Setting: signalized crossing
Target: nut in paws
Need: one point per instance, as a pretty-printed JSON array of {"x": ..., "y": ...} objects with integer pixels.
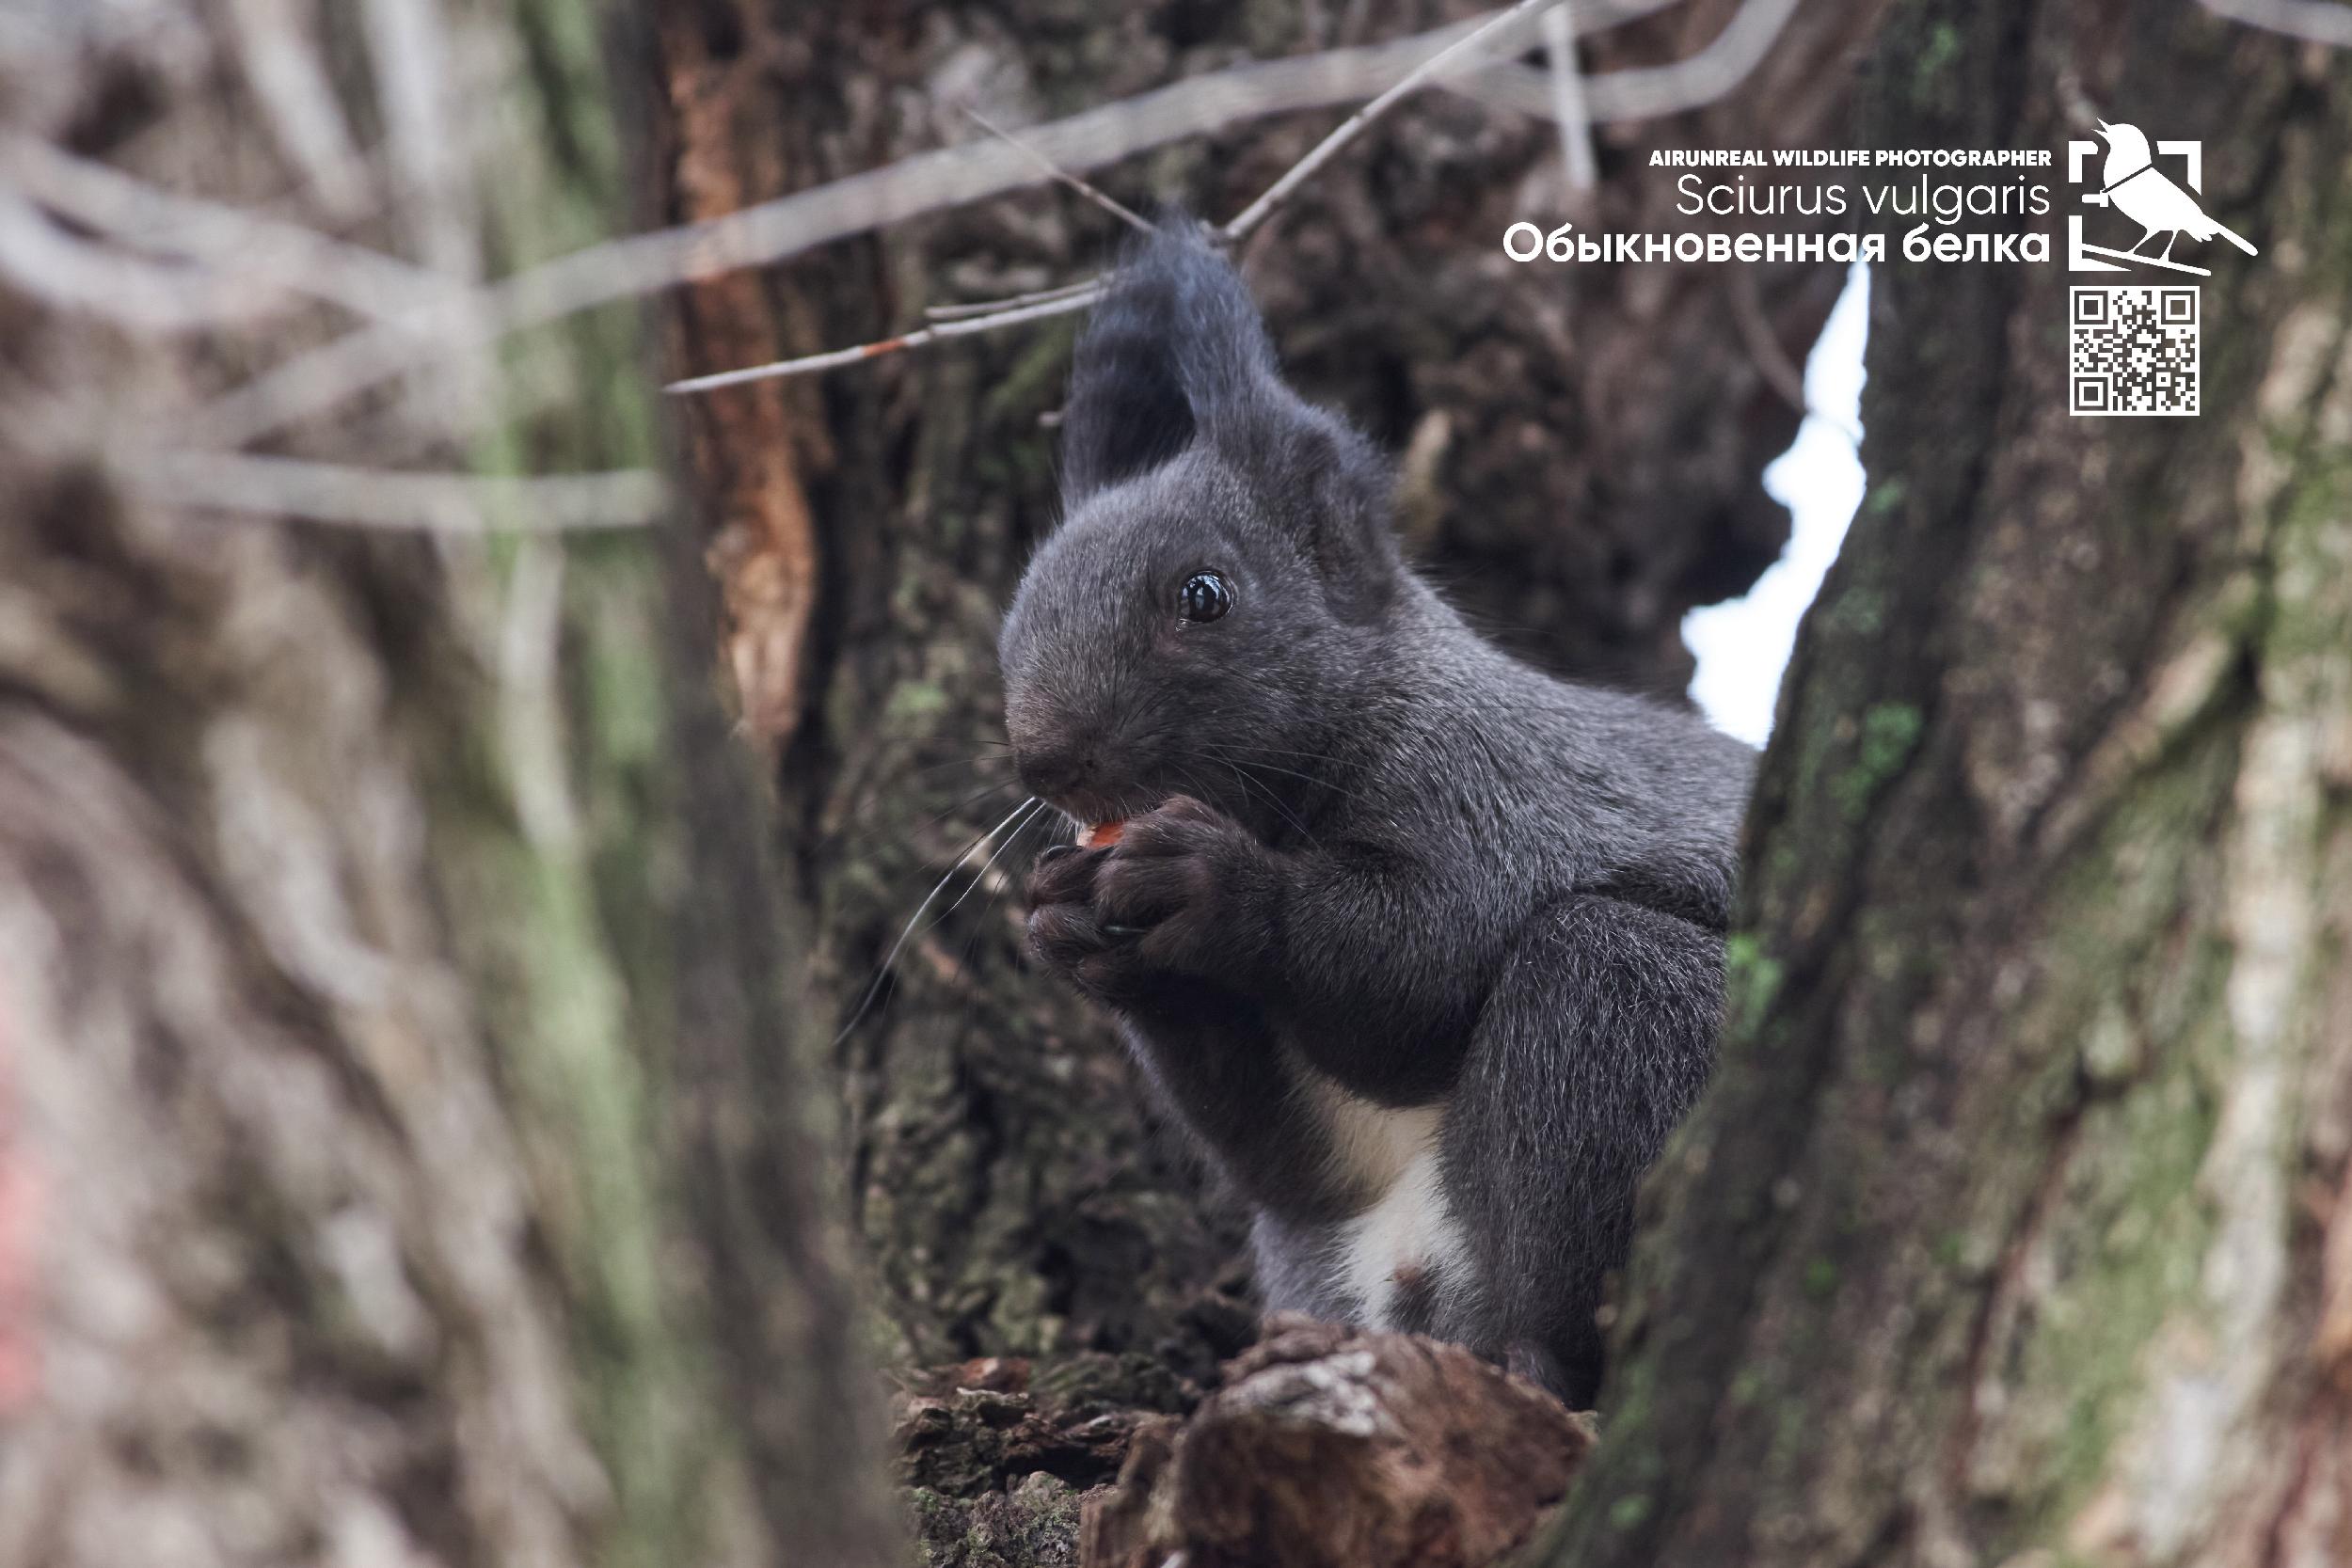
[{"x": 1183, "y": 893}]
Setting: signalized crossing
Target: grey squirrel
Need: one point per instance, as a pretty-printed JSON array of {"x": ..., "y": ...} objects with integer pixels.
[{"x": 1424, "y": 945}]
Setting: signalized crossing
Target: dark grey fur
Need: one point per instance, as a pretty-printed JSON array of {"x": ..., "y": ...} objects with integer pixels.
[{"x": 1363, "y": 844}]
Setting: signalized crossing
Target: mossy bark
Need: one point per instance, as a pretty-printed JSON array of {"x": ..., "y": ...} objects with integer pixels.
[
  {"x": 2013, "y": 1228},
  {"x": 409, "y": 1152}
]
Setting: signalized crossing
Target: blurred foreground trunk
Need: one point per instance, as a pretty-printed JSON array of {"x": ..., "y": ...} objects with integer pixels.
[
  {"x": 2015, "y": 1228},
  {"x": 404, "y": 1157}
]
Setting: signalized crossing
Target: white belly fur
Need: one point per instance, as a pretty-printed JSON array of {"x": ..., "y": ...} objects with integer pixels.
[{"x": 1390, "y": 1157}]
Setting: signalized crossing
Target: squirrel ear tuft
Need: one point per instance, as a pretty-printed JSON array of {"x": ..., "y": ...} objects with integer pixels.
[
  {"x": 1176, "y": 353},
  {"x": 1174, "y": 350}
]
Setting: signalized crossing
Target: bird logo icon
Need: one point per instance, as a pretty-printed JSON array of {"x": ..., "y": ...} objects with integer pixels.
[{"x": 2130, "y": 183}]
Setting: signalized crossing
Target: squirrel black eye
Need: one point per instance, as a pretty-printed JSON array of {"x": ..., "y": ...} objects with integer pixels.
[{"x": 1203, "y": 597}]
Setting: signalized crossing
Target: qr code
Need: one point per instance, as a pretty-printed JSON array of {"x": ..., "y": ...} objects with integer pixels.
[{"x": 2132, "y": 350}]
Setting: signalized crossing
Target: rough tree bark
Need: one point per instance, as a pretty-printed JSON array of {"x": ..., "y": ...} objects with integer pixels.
[
  {"x": 2015, "y": 1227},
  {"x": 405, "y": 1151},
  {"x": 1582, "y": 452}
]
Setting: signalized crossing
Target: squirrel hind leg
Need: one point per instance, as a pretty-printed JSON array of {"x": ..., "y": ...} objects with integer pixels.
[{"x": 1595, "y": 1041}]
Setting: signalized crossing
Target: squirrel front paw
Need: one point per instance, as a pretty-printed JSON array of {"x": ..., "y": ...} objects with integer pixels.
[
  {"x": 1065, "y": 934},
  {"x": 1186, "y": 890}
]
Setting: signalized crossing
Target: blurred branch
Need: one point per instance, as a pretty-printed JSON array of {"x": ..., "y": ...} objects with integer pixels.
[
  {"x": 289, "y": 82},
  {"x": 316, "y": 381},
  {"x": 1053, "y": 169},
  {"x": 530, "y": 647},
  {"x": 768, "y": 231},
  {"x": 1568, "y": 98},
  {"x": 278, "y": 254},
  {"x": 2312, "y": 21},
  {"x": 409, "y": 49},
  {"x": 1651, "y": 92},
  {"x": 376, "y": 497},
  {"x": 432, "y": 192},
  {"x": 131, "y": 292}
]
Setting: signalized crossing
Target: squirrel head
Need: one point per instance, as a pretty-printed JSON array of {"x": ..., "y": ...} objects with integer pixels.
[{"x": 1224, "y": 578}]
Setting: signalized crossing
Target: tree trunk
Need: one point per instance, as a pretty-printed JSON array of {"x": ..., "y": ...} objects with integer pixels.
[
  {"x": 406, "y": 1149},
  {"x": 1580, "y": 458},
  {"x": 2014, "y": 1228}
]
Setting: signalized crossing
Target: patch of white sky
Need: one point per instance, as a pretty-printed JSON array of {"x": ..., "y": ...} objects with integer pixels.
[{"x": 1742, "y": 645}]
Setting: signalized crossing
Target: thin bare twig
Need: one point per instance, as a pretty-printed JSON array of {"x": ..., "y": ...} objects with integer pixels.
[
  {"x": 1248, "y": 218},
  {"x": 1062, "y": 306},
  {"x": 1058, "y": 172},
  {"x": 990, "y": 306},
  {"x": 377, "y": 498},
  {"x": 2312, "y": 21}
]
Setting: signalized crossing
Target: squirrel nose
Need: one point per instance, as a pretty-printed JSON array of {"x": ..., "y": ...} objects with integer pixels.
[{"x": 1055, "y": 771}]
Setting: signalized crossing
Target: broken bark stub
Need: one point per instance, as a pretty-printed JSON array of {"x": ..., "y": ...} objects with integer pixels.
[
  {"x": 978, "y": 1428},
  {"x": 1331, "y": 1448}
]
